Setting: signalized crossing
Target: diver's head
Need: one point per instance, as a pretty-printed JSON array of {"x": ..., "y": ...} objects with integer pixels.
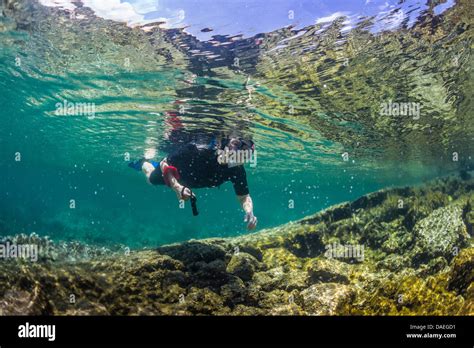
[
  {"x": 240, "y": 144},
  {"x": 235, "y": 151}
]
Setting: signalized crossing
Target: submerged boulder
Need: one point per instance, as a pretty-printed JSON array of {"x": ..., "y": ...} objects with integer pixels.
[
  {"x": 442, "y": 233},
  {"x": 194, "y": 251},
  {"x": 202, "y": 301},
  {"x": 462, "y": 272},
  {"x": 242, "y": 265},
  {"x": 16, "y": 302},
  {"x": 281, "y": 278},
  {"x": 328, "y": 271},
  {"x": 326, "y": 298}
]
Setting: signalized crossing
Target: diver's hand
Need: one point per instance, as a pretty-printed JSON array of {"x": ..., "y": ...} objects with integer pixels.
[
  {"x": 186, "y": 193},
  {"x": 251, "y": 220}
]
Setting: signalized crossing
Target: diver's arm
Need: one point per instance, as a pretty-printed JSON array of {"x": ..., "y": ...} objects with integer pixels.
[
  {"x": 174, "y": 183},
  {"x": 247, "y": 206}
]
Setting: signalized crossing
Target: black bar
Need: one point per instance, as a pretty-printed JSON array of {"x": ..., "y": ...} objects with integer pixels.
[{"x": 242, "y": 330}]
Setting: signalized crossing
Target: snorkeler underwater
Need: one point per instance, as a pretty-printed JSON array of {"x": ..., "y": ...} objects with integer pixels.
[{"x": 311, "y": 160}]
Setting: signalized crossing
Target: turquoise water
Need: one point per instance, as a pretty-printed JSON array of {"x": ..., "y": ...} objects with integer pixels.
[{"x": 312, "y": 107}]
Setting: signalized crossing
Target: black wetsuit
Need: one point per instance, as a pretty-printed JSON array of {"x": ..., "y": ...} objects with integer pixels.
[{"x": 198, "y": 167}]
